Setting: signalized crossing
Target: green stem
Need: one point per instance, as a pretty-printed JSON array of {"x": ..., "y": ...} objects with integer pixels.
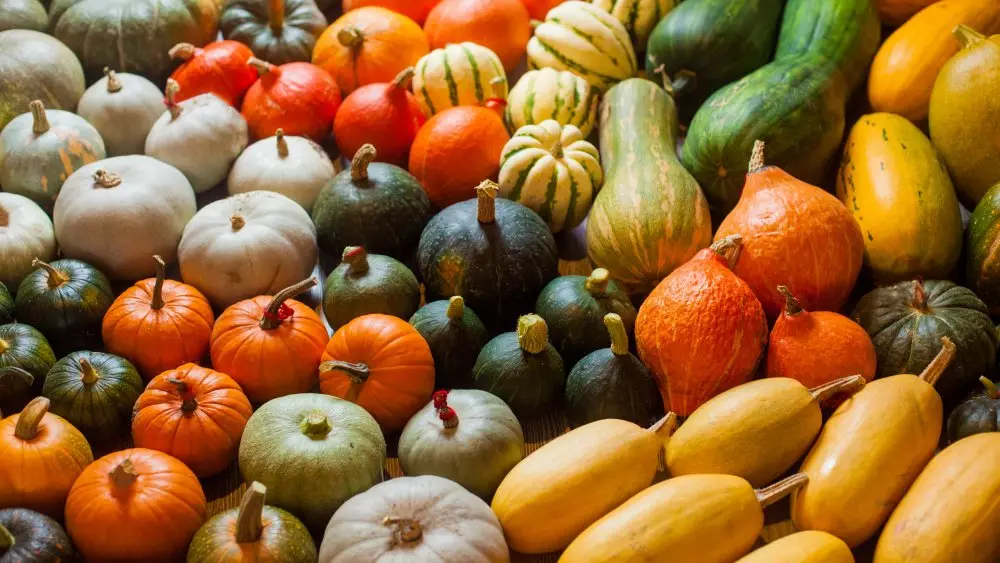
[
  {"x": 618, "y": 334},
  {"x": 350, "y": 37},
  {"x": 316, "y": 425},
  {"x": 532, "y": 334},
  {"x": 989, "y": 386},
  {"x": 7, "y": 540},
  {"x": 967, "y": 36},
  {"x": 404, "y": 78},
  {"x": 250, "y": 521},
  {"x": 271, "y": 319},
  {"x": 597, "y": 283},
  {"x": 56, "y": 278}
]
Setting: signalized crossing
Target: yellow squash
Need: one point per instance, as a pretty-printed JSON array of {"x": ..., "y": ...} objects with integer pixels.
[
  {"x": 567, "y": 484},
  {"x": 803, "y": 547},
  {"x": 869, "y": 453},
  {"x": 687, "y": 519},
  {"x": 755, "y": 431},
  {"x": 952, "y": 511}
]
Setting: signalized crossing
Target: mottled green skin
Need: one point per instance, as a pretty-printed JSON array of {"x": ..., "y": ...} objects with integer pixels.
[
  {"x": 978, "y": 414},
  {"x": 603, "y": 385},
  {"x": 388, "y": 287},
  {"x": 101, "y": 411},
  {"x": 247, "y": 21},
  {"x": 23, "y": 14},
  {"x": 283, "y": 536},
  {"x": 982, "y": 241},
  {"x": 530, "y": 384},
  {"x": 37, "y": 538},
  {"x": 455, "y": 343},
  {"x": 36, "y": 66},
  {"x": 6, "y": 305},
  {"x": 25, "y": 348},
  {"x": 906, "y": 339}
]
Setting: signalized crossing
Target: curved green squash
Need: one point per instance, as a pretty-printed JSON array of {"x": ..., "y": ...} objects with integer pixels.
[
  {"x": 23, "y": 14},
  {"x": 365, "y": 284},
  {"x": 982, "y": 265},
  {"x": 6, "y": 305},
  {"x": 25, "y": 358},
  {"x": 978, "y": 414},
  {"x": 36, "y": 66},
  {"x": 455, "y": 335},
  {"x": 650, "y": 216}
]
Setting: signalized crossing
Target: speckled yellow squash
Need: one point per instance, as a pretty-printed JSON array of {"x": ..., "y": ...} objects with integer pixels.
[
  {"x": 803, "y": 547},
  {"x": 638, "y": 16},
  {"x": 548, "y": 93},
  {"x": 460, "y": 74}
]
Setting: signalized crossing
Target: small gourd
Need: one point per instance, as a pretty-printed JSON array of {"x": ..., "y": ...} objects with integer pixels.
[
  {"x": 280, "y": 31},
  {"x": 27, "y": 536},
  {"x": 295, "y": 167},
  {"x": 456, "y": 335},
  {"x": 26, "y": 234},
  {"x": 123, "y": 108},
  {"x": 25, "y": 359},
  {"x": 638, "y": 16},
  {"x": 547, "y": 93},
  {"x": 369, "y": 283},
  {"x": 454, "y": 75},
  {"x": 978, "y": 414}
]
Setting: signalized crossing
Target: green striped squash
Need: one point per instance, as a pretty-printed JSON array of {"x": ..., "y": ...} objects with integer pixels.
[
  {"x": 551, "y": 170},
  {"x": 459, "y": 74},
  {"x": 638, "y": 16},
  {"x": 583, "y": 38},
  {"x": 548, "y": 93}
]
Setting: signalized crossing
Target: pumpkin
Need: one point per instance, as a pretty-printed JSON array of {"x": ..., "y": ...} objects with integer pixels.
[
  {"x": 95, "y": 392},
  {"x": 36, "y": 66},
  {"x": 547, "y": 93},
  {"x": 364, "y": 284},
  {"x": 288, "y": 339},
  {"x": 43, "y": 455},
  {"x": 817, "y": 347},
  {"x": 638, "y": 17},
  {"x": 906, "y": 322},
  {"x": 40, "y": 149},
  {"x": 572, "y": 481},
  {"x": 896, "y": 12},
  {"x": 294, "y": 167},
  {"x": 122, "y": 108},
  {"x": 27, "y": 536},
  {"x": 312, "y": 452},
  {"x": 981, "y": 236},
  {"x": 25, "y": 359},
  {"x": 66, "y": 300},
  {"x": 280, "y": 31},
  {"x": 385, "y": 115},
  {"x": 118, "y": 212},
  {"x": 264, "y": 533},
  {"x": 26, "y": 234},
  {"x": 416, "y": 10},
  {"x": 23, "y": 14},
  {"x": 975, "y": 415},
  {"x": 701, "y": 331},
  {"x": 455, "y": 334},
  {"x": 458, "y": 74},
  {"x": 812, "y": 546},
  {"x": 298, "y": 98},
  {"x": 381, "y": 363},
  {"x": 503, "y": 26},
  {"x": 247, "y": 245},
  {"x": 466, "y": 435},
  {"x": 121, "y": 499},
  {"x": 414, "y": 519},
  {"x": 218, "y": 68},
  {"x": 6, "y": 305},
  {"x": 376, "y": 205}
]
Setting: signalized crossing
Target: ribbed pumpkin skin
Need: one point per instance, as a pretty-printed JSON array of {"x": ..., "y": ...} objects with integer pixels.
[
  {"x": 981, "y": 235},
  {"x": 249, "y": 22},
  {"x": 548, "y": 93},
  {"x": 811, "y": 546},
  {"x": 36, "y": 66},
  {"x": 454, "y": 343},
  {"x": 283, "y": 539},
  {"x": 638, "y": 16},
  {"x": 37, "y": 538},
  {"x": 458, "y": 74},
  {"x": 26, "y": 348},
  {"x": 219, "y": 68}
]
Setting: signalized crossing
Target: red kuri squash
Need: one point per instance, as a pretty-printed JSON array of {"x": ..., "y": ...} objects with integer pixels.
[
  {"x": 218, "y": 68},
  {"x": 503, "y": 26},
  {"x": 416, "y": 10},
  {"x": 299, "y": 98}
]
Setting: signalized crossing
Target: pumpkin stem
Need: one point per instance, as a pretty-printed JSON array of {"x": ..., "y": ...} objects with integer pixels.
[
  {"x": 729, "y": 248},
  {"x": 919, "y": 295},
  {"x": 990, "y": 387},
  {"x": 407, "y": 530},
  {"x": 967, "y": 36},
  {"x": 114, "y": 83},
  {"x": 356, "y": 258},
  {"x": 534, "y": 24},
  {"x": 4, "y": 217},
  {"x": 359, "y": 164},
  {"x": 792, "y": 306},
  {"x": 161, "y": 276},
  {"x": 237, "y": 222},
  {"x": 350, "y": 36},
  {"x": 56, "y": 278},
  {"x": 756, "y": 157},
  {"x": 456, "y": 308},
  {"x": 90, "y": 375},
  {"x": 123, "y": 475},
  {"x": 171, "y": 100},
  {"x": 279, "y": 137},
  {"x": 665, "y": 427},
  {"x": 262, "y": 67},
  {"x": 250, "y": 521},
  {"x": 40, "y": 121},
  {"x": 272, "y": 315},
  {"x": 316, "y": 425},
  {"x": 276, "y": 15},
  {"x": 107, "y": 179},
  {"x": 557, "y": 151},
  {"x": 772, "y": 494},
  {"x": 618, "y": 334},
  {"x": 846, "y": 385},
  {"x": 597, "y": 282},
  {"x": 498, "y": 86},
  {"x": 3, "y": 345},
  {"x": 532, "y": 334},
  {"x": 404, "y": 78},
  {"x": 447, "y": 414},
  {"x": 357, "y": 372},
  {"x": 182, "y": 51},
  {"x": 7, "y": 540},
  {"x": 940, "y": 363},
  {"x": 29, "y": 419},
  {"x": 486, "y": 194},
  {"x": 188, "y": 402}
]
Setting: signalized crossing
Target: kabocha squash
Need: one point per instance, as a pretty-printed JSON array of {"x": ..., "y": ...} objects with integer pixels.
[
  {"x": 642, "y": 177},
  {"x": 457, "y": 74},
  {"x": 298, "y": 98},
  {"x": 122, "y": 108},
  {"x": 897, "y": 12},
  {"x": 466, "y": 435},
  {"x": 977, "y": 414},
  {"x": 502, "y": 26},
  {"x": 414, "y": 519},
  {"x": 898, "y": 190},
  {"x": 455, "y": 334},
  {"x": 382, "y": 364},
  {"x": 548, "y": 93},
  {"x": 312, "y": 452},
  {"x": 23, "y": 14},
  {"x": 981, "y": 236},
  {"x": 26, "y": 234},
  {"x": 859, "y": 468},
  {"x": 31, "y": 537},
  {"x": 6, "y": 305},
  {"x": 811, "y": 546},
  {"x": 638, "y": 16},
  {"x": 279, "y": 31},
  {"x": 271, "y": 346},
  {"x": 25, "y": 359},
  {"x": 369, "y": 283},
  {"x": 522, "y": 368},
  {"x": 572, "y": 481},
  {"x": 135, "y": 504},
  {"x": 416, "y": 10},
  {"x": 218, "y": 68},
  {"x": 36, "y": 66},
  {"x": 294, "y": 167}
]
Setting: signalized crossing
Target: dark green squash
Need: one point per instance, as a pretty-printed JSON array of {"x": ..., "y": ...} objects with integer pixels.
[
  {"x": 25, "y": 358},
  {"x": 6, "y": 305},
  {"x": 364, "y": 284},
  {"x": 522, "y": 368},
  {"x": 27, "y": 536},
  {"x": 456, "y": 335},
  {"x": 95, "y": 392},
  {"x": 277, "y": 31},
  {"x": 612, "y": 383},
  {"x": 978, "y": 414},
  {"x": 574, "y": 308},
  {"x": 981, "y": 236},
  {"x": 36, "y": 66},
  {"x": 66, "y": 300},
  {"x": 496, "y": 254},
  {"x": 23, "y": 14},
  {"x": 907, "y": 320}
]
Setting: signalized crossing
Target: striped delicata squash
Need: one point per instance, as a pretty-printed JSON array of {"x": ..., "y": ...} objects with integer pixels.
[
  {"x": 459, "y": 74},
  {"x": 638, "y": 16},
  {"x": 548, "y": 93}
]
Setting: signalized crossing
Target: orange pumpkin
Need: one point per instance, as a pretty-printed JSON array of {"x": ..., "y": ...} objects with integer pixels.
[
  {"x": 369, "y": 45},
  {"x": 382, "y": 364},
  {"x": 41, "y": 455},
  {"x": 503, "y": 26},
  {"x": 794, "y": 234},
  {"x": 218, "y": 68},
  {"x": 271, "y": 346},
  {"x": 158, "y": 324},
  {"x": 538, "y": 9},
  {"x": 135, "y": 505},
  {"x": 301, "y": 99},
  {"x": 702, "y": 330},
  {"x": 416, "y": 10}
]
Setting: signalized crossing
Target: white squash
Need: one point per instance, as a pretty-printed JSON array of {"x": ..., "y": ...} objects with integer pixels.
[
  {"x": 548, "y": 93},
  {"x": 638, "y": 16},
  {"x": 246, "y": 245},
  {"x": 200, "y": 136},
  {"x": 294, "y": 167},
  {"x": 123, "y": 108},
  {"x": 458, "y": 74},
  {"x": 424, "y": 519},
  {"x": 25, "y": 234}
]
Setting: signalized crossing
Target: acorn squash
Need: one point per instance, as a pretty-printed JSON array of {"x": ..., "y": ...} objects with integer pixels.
[
  {"x": 369, "y": 283},
  {"x": 978, "y": 414},
  {"x": 25, "y": 359},
  {"x": 456, "y": 335}
]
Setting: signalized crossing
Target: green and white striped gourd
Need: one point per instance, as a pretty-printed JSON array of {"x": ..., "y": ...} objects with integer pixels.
[
  {"x": 459, "y": 74},
  {"x": 638, "y": 16},
  {"x": 582, "y": 38},
  {"x": 548, "y": 93},
  {"x": 553, "y": 171}
]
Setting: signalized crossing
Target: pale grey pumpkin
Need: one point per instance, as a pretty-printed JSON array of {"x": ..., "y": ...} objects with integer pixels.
[{"x": 123, "y": 108}]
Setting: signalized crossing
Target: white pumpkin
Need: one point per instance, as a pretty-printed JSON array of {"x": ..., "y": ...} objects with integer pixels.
[
  {"x": 548, "y": 93},
  {"x": 294, "y": 167},
  {"x": 116, "y": 213},
  {"x": 247, "y": 245},
  {"x": 123, "y": 108},
  {"x": 200, "y": 136},
  {"x": 424, "y": 519},
  {"x": 25, "y": 234}
]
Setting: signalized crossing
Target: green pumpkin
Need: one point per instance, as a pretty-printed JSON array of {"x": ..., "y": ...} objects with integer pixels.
[
  {"x": 365, "y": 284},
  {"x": 907, "y": 320},
  {"x": 6, "y": 305},
  {"x": 981, "y": 237},
  {"x": 95, "y": 392},
  {"x": 522, "y": 368},
  {"x": 40, "y": 149},
  {"x": 612, "y": 383},
  {"x": 456, "y": 335},
  {"x": 312, "y": 452},
  {"x": 36, "y": 66},
  {"x": 25, "y": 358},
  {"x": 277, "y": 31},
  {"x": 23, "y": 14},
  {"x": 66, "y": 300},
  {"x": 27, "y": 536},
  {"x": 574, "y": 308},
  {"x": 978, "y": 414}
]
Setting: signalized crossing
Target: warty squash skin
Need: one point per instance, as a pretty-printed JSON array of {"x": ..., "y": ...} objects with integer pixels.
[{"x": 803, "y": 547}]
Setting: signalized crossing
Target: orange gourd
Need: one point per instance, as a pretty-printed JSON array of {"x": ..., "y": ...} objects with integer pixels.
[
  {"x": 135, "y": 505},
  {"x": 796, "y": 235},
  {"x": 815, "y": 348},
  {"x": 301, "y": 99},
  {"x": 701, "y": 331},
  {"x": 416, "y": 10},
  {"x": 41, "y": 455},
  {"x": 369, "y": 45},
  {"x": 503, "y": 26},
  {"x": 218, "y": 68},
  {"x": 158, "y": 324},
  {"x": 195, "y": 414},
  {"x": 271, "y": 346},
  {"x": 382, "y": 364}
]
